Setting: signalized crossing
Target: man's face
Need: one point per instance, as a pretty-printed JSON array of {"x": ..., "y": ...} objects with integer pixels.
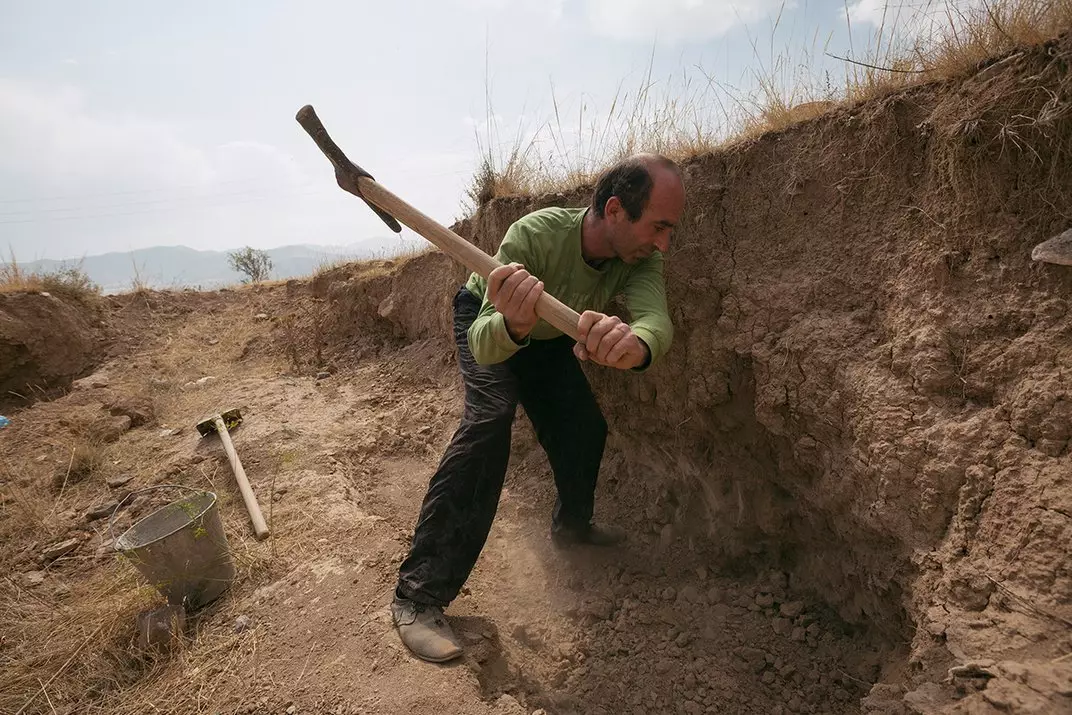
[{"x": 635, "y": 240}]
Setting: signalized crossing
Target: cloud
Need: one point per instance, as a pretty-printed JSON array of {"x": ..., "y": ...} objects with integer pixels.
[
  {"x": 77, "y": 179},
  {"x": 49, "y": 136},
  {"x": 548, "y": 9},
  {"x": 674, "y": 20}
]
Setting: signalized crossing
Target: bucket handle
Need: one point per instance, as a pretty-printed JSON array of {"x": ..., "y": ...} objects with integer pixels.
[{"x": 115, "y": 511}]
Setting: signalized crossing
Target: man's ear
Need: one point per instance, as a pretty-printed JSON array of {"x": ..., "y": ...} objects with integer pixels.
[{"x": 614, "y": 209}]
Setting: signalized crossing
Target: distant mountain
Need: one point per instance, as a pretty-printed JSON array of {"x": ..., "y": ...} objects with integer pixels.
[{"x": 182, "y": 267}]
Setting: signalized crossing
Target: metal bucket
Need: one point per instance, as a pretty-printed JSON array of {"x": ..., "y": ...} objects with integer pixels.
[{"x": 180, "y": 548}]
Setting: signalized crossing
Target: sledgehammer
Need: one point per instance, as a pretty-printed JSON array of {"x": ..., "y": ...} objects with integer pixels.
[
  {"x": 389, "y": 207},
  {"x": 219, "y": 424}
]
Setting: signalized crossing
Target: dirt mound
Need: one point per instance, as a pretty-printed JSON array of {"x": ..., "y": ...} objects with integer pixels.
[{"x": 45, "y": 342}]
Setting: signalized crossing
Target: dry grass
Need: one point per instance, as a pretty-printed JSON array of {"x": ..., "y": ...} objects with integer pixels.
[
  {"x": 693, "y": 113},
  {"x": 86, "y": 460},
  {"x": 67, "y": 644},
  {"x": 70, "y": 283}
]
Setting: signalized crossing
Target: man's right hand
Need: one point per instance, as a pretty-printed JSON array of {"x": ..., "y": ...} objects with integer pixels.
[{"x": 514, "y": 292}]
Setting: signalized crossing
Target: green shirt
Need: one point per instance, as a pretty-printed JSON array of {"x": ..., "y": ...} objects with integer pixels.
[{"x": 548, "y": 243}]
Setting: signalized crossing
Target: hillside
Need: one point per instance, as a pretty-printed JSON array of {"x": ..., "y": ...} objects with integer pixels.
[
  {"x": 849, "y": 483},
  {"x": 173, "y": 267}
]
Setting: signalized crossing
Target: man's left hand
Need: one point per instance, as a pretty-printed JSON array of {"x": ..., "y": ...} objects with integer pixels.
[{"x": 606, "y": 340}]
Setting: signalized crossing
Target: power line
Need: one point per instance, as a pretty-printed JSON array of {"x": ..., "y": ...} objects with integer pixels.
[
  {"x": 121, "y": 193},
  {"x": 66, "y": 209},
  {"x": 162, "y": 209},
  {"x": 143, "y": 203}
]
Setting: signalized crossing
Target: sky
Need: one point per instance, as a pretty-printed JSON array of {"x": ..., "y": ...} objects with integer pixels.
[{"x": 133, "y": 124}]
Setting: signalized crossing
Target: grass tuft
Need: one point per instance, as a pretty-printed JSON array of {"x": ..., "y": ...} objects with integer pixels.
[{"x": 694, "y": 113}]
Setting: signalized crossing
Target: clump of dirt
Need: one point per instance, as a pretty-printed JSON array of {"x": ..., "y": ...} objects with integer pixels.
[{"x": 35, "y": 361}]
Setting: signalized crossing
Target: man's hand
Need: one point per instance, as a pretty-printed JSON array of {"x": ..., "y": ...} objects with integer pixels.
[
  {"x": 606, "y": 340},
  {"x": 514, "y": 292}
]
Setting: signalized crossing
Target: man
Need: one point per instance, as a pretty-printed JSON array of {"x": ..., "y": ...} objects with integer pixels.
[{"x": 583, "y": 257}]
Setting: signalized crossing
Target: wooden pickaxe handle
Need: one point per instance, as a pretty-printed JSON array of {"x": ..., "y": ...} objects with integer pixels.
[
  {"x": 548, "y": 307},
  {"x": 260, "y": 528}
]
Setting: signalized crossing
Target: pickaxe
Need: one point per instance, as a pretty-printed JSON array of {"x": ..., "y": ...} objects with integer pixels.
[{"x": 219, "y": 424}]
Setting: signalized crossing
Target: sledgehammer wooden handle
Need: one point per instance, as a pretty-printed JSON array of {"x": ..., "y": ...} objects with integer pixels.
[
  {"x": 548, "y": 307},
  {"x": 260, "y": 528}
]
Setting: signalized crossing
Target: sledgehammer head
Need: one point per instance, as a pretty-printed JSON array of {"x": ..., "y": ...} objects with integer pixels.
[{"x": 231, "y": 419}]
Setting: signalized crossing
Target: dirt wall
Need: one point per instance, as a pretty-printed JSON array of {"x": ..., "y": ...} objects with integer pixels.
[{"x": 871, "y": 382}]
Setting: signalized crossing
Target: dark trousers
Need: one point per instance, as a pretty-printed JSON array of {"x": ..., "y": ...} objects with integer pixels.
[{"x": 463, "y": 495}]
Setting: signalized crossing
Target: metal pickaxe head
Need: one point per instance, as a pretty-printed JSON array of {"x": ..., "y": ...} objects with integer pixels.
[
  {"x": 231, "y": 419},
  {"x": 347, "y": 173}
]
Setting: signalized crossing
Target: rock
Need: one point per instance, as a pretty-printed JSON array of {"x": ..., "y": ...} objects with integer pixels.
[
  {"x": 113, "y": 429},
  {"x": 323, "y": 375},
  {"x": 293, "y": 708},
  {"x": 701, "y": 573},
  {"x": 714, "y": 595},
  {"x": 782, "y": 626},
  {"x": 791, "y": 609},
  {"x": 62, "y": 548},
  {"x": 101, "y": 512},
  {"x": 200, "y": 382},
  {"x": 663, "y": 665},
  {"x": 260, "y": 316},
  {"x": 97, "y": 380},
  {"x": 754, "y": 657},
  {"x": 690, "y": 594},
  {"x": 116, "y": 482},
  {"x": 669, "y": 593},
  {"x": 242, "y": 624},
  {"x": 213, "y": 341},
  {"x": 799, "y": 634},
  {"x": 682, "y": 640},
  {"x": 764, "y": 600},
  {"x": 160, "y": 628},
  {"x": 508, "y": 705},
  {"x": 541, "y": 711},
  {"x": 768, "y": 677},
  {"x": 1057, "y": 250},
  {"x": 34, "y": 578},
  {"x": 813, "y": 630}
]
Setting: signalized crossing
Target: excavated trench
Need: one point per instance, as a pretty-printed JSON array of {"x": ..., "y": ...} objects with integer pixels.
[{"x": 869, "y": 388}]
